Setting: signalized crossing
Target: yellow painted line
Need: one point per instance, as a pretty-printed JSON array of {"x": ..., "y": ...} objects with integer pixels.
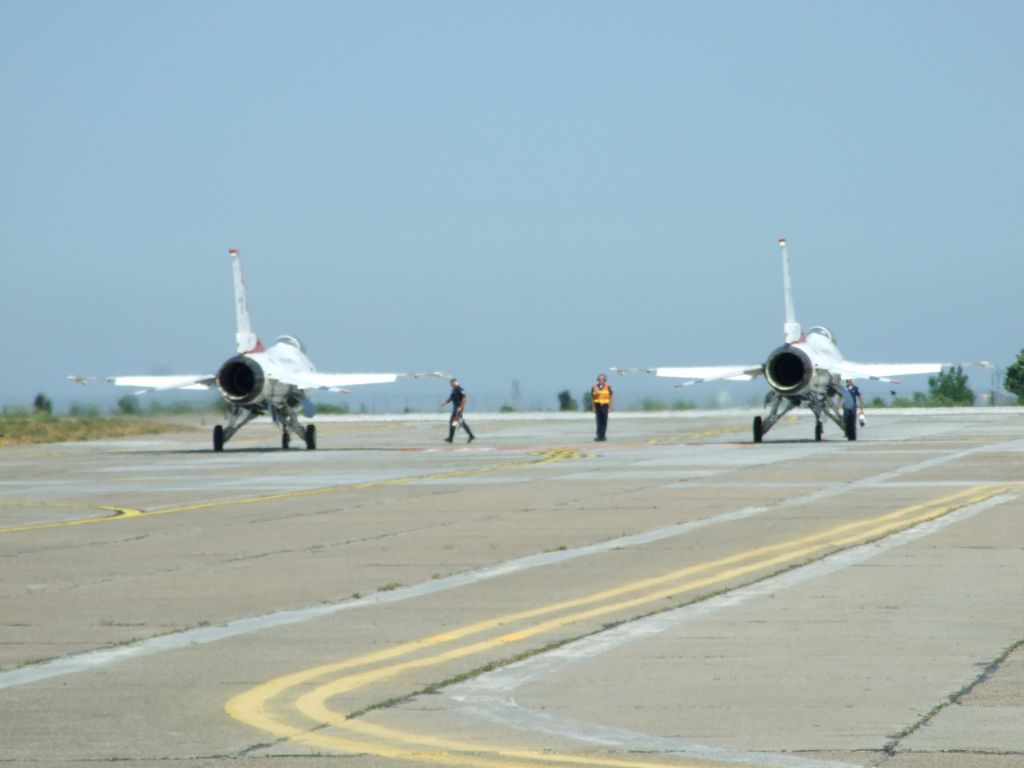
[
  {"x": 442, "y": 746},
  {"x": 777, "y": 555},
  {"x": 687, "y": 572},
  {"x": 312, "y": 700},
  {"x": 677, "y": 439},
  {"x": 119, "y": 513}
]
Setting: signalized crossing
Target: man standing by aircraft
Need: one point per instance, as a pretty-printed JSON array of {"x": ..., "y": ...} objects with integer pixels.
[
  {"x": 601, "y": 402},
  {"x": 458, "y": 399},
  {"x": 858, "y": 399}
]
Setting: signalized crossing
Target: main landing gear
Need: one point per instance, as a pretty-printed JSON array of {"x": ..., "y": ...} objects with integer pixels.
[
  {"x": 237, "y": 418},
  {"x": 283, "y": 416},
  {"x": 308, "y": 436},
  {"x": 822, "y": 406},
  {"x": 778, "y": 407}
]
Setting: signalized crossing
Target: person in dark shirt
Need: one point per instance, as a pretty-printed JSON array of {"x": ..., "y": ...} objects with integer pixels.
[
  {"x": 458, "y": 399},
  {"x": 858, "y": 400}
]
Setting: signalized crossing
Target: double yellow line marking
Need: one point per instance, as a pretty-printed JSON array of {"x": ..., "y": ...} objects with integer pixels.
[
  {"x": 306, "y": 697},
  {"x": 122, "y": 513}
]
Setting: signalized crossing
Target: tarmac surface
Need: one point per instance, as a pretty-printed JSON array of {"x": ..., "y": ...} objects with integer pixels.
[{"x": 676, "y": 596}]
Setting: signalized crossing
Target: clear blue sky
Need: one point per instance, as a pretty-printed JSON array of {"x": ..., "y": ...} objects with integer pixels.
[{"x": 528, "y": 191}]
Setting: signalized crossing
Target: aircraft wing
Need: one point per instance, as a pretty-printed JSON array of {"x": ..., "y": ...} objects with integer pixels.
[
  {"x": 156, "y": 383},
  {"x": 336, "y": 382},
  {"x": 885, "y": 371},
  {"x": 701, "y": 374}
]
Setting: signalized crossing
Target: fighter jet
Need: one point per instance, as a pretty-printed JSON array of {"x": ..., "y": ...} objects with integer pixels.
[
  {"x": 260, "y": 380},
  {"x": 808, "y": 369}
]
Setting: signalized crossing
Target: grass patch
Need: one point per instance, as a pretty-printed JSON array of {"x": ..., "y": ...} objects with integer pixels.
[{"x": 32, "y": 428}]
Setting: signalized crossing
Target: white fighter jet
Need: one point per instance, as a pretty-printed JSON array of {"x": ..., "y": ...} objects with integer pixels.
[
  {"x": 260, "y": 380},
  {"x": 808, "y": 369}
]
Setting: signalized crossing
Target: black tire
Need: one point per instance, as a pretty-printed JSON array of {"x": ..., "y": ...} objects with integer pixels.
[
  {"x": 850, "y": 418},
  {"x": 819, "y": 428},
  {"x": 286, "y": 440},
  {"x": 218, "y": 438},
  {"x": 310, "y": 437},
  {"x": 758, "y": 429}
]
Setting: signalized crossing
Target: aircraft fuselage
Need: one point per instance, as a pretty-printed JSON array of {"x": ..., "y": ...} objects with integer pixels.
[{"x": 254, "y": 379}]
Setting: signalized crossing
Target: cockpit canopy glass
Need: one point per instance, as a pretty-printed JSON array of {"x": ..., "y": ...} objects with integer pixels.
[
  {"x": 292, "y": 342},
  {"x": 821, "y": 331}
]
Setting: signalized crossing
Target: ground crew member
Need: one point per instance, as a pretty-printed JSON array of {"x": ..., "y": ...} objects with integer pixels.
[
  {"x": 458, "y": 399},
  {"x": 601, "y": 402},
  {"x": 858, "y": 399}
]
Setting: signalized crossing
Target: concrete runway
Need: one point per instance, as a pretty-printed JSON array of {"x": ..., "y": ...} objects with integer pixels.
[{"x": 677, "y": 596}]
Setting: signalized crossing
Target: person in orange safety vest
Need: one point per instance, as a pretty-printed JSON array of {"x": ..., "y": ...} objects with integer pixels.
[{"x": 601, "y": 402}]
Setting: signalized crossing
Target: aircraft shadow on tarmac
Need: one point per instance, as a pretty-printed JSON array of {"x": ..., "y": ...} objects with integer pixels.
[{"x": 261, "y": 450}]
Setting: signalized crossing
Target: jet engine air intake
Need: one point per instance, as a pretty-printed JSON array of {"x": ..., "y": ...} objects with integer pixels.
[
  {"x": 241, "y": 380},
  {"x": 789, "y": 370}
]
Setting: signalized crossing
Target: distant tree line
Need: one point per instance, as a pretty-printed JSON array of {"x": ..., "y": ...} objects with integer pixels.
[{"x": 1014, "y": 380}]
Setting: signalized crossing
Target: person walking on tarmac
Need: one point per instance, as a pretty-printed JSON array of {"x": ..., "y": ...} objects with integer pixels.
[
  {"x": 858, "y": 399},
  {"x": 601, "y": 402},
  {"x": 458, "y": 399}
]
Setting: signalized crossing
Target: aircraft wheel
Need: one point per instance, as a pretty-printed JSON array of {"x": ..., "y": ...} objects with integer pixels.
[
  {"x": 758, "y": 429},
  {"x": 310, "y": 437},
  {"x": 819, "y": 428},
  {"x": 286, "y": 439},
  {"x": 218, "y": 438},
  {"x": 850, "y": 418}
]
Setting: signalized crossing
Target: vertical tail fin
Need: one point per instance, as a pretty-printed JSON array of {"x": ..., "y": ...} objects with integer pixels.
[
  {"x": 245, "y": 339},
  {"x": 791, "y": 330}
]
